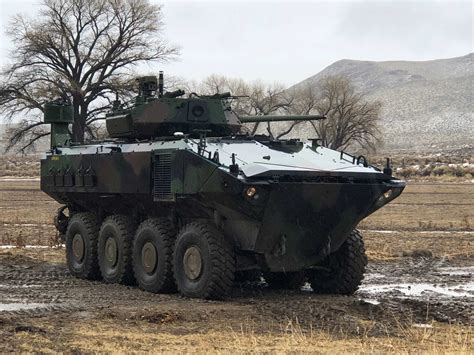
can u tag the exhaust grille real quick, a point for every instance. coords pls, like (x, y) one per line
(162, 177)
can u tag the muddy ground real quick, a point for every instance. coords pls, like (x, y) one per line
(39, 297)
(418, 292)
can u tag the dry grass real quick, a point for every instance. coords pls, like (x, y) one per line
(110, 336)
(19, 165)
(427, 207)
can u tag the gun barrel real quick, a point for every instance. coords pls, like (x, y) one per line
(277, 118)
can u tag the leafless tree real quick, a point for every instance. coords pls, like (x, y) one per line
(81, 51)
(352, 120)
(256, 98)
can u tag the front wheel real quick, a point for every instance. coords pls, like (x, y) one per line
(203, 262)
(342, 271)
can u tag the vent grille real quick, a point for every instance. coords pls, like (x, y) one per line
(162, 177)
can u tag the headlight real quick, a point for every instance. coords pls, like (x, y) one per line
(251, 192)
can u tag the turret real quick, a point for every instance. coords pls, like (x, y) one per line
(153, 115)
(164, 114)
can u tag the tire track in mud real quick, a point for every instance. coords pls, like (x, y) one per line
(422, 288)
(32, 288)
(34, 293)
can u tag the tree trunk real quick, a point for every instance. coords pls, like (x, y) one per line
(79, 125)
(78, 128)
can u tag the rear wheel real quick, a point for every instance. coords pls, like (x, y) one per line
(115, 249)
(153, 256)
(81, 246)
(203, 262)
(285, 280)
(342, 271)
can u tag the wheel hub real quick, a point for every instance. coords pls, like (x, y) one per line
(111, 252)
(78, 247)
(149, 257)
(192, 263)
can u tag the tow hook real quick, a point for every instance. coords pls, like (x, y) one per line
(61, 221)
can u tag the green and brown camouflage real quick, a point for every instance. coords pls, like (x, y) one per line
(284, 204)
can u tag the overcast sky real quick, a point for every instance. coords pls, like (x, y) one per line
(288, 41)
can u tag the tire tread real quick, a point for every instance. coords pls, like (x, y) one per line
(166, 229)
(222, 260)
(352, 259)
(91, 269)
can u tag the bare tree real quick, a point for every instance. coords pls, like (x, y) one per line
(268, 99)
(256, 98)
(81, 51)
(351, 119)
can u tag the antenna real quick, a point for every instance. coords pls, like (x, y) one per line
(160, 84)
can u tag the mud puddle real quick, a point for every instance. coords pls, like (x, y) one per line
(13, 307)
(433, 286)
(417, 290)
(444, 282)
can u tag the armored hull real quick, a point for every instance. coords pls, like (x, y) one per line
(179, 199)
(305, 200)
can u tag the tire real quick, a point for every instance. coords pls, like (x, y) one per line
(81, 246)
(346, 268)
(115, 250)
(285, 280)
(203, 262)
(156, 238)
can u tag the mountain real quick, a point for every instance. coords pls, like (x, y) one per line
(427, 105)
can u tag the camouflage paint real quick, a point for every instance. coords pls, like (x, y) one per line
(301, 210)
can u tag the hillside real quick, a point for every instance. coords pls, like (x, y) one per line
(427, 106)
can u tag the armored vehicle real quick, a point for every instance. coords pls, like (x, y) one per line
(179, 199)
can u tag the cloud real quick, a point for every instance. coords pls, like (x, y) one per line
(290, 41)
(413, 30)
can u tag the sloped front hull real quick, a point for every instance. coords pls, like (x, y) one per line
(304, 222)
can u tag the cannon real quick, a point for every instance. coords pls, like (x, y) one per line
(280, 118)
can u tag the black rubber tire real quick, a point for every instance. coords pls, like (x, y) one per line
(285, 280)
(161, 233)
(218, 262)
(85, 224)
(120, 228)
(346, 265)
